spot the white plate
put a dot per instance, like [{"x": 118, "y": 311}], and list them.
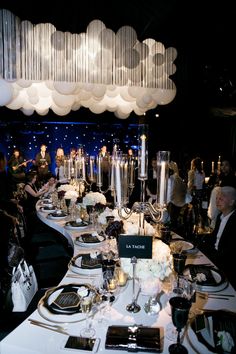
[
  {"x": 81, "y": 227},
  {"x": 195, "y": 344},
  {"x": 221, "y": 282},
  {"x": 79, "y": 241},
  {"x": 74, "y": 266},
  {"x": 46, "y": 200},
  {"x": 50, "y": 296},
  {"x": 181, "y": 246},
  {"x": 57, "y": 217},
  {"x": 47, "y": 210}
]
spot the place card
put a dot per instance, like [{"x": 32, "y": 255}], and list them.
[{"x": 135, "y": 246}]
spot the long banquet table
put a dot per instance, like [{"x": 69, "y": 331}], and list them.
[{"x": 28, "y": 338}]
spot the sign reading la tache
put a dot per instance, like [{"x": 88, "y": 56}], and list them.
[{"x": 135, "y": 246}]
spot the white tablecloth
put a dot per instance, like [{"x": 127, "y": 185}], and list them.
[{"x": 27, "y": 338}]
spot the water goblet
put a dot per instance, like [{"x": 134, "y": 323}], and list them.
[
  {"x": 179, "y": 260},
  {"x": 67, "y": 201},
  {"x": 180, "y": 307},
  {"x": 111, "y": 286},
  {"x": 86, "y": 306}
]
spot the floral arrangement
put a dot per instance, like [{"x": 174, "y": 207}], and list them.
[
  {"x": 225, "y": 341},
  {"x": 102, "y": 217},
  {"x": 73, "y": 195},
  {"x": 160, "y": 266},
  {"x": 93, "y": 198},
  {"x": 66, "y": 188}
]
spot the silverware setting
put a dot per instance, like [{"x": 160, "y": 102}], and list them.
[
  {"x": 78, "y": 276},
  {"x": 55, "y": 328},
  {"x": 214, "y": 296}
]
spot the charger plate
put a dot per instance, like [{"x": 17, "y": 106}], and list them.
[
  {"x": 62, "y": 304},
  {"x": 46, "y": 209},
  {"x": 215, "y": 279},
  {"x": 179, "y": 246},
  {"x": 76, "y": 266},
  {"x": 57, "y": 216},
  {"x": 88, "y": 240},
  {"x": 73, "y": 225}
]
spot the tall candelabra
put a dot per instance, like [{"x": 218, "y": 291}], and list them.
[
  {"x": 156, "y": 211},
  {"x": 76, "y": 173}
]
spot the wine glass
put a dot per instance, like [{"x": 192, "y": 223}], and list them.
[
  {"x": 180, "y": 307},
  {"x": 179, "y": 260},
  {"x": 86, "y": 306},
  {"x": 68, "y": 205},
  {"x": 111, "y": 286}
]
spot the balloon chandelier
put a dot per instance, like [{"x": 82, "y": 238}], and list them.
[{"x": 42, "y": 68}]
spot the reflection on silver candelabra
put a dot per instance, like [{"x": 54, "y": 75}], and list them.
[
  {"x": 156, "y": 211},
  {"x": 80, "y": 173},
  {"x": 111, "y": 171}
]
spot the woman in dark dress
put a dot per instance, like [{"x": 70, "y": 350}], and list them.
[{"x": 32, "y": 196}]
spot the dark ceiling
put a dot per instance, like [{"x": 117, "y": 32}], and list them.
[{"x": 203, "y": 32}]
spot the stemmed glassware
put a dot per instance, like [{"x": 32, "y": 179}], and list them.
[
  {"x": 86, "y": 306},
  {"x": 180, "y": 307},
  {"x": 67, "y": 201},
  {"x": 179, "y": 260},
  {"x": 111, "y": 287}
]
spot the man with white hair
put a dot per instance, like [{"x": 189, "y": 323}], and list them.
[{"x": 223, "y": 250}]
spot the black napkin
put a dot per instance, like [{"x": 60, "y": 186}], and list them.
[
  {"x": 89, "y": 238},
  {"x": 207, "y": 271},
  {"x": 91, "y": 263},
  {"x": 67, "y": 302},
  {"x": 58, "y": 215},
  {"x": 223, "y": 320},
  {"x": 133, "y": 339},
  {"x": 77, "y": 224}
]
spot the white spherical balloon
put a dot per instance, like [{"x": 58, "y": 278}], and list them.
[{"x": 6, "y": 92}]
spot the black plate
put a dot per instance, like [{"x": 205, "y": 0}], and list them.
[{"x": 67, "y": 301}]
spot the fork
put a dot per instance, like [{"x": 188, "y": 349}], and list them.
[
  {"x": 212, "y": 296},
  {"x": 55, "y": 328}
]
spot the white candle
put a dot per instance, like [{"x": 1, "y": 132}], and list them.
[
  {"x": 125, "y": 180},
  {"x": 118, "y": 183},
  {"x": 131, "y": 172},
  {"x": 218, "y": 165},
  {"x": 76, "y": 169},
  {"x": 68, "y": 168},
  {"x": 91, "y": 168},
  {"x": 212, "y": 167},
  {"x": 112, "y": 174},
  {"x": 99, "y": 172},
  {"x": 143, "y": 156},
  {"x": 162, "y": 183},
  {"x": 83, "y": 168}
]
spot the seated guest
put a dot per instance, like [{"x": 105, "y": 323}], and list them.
[
  {"x": 222, "y": 249},
  {"x": 33, "y": 195},
  {"x": 226, "y": 177},
  {"x": 59, "y": 172},
  {"x": 51, "y": 185}
]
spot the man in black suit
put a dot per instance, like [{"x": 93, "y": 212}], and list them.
[
  {"x": 222, "y": 248},
  {"x": 43, "y": 161}
]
